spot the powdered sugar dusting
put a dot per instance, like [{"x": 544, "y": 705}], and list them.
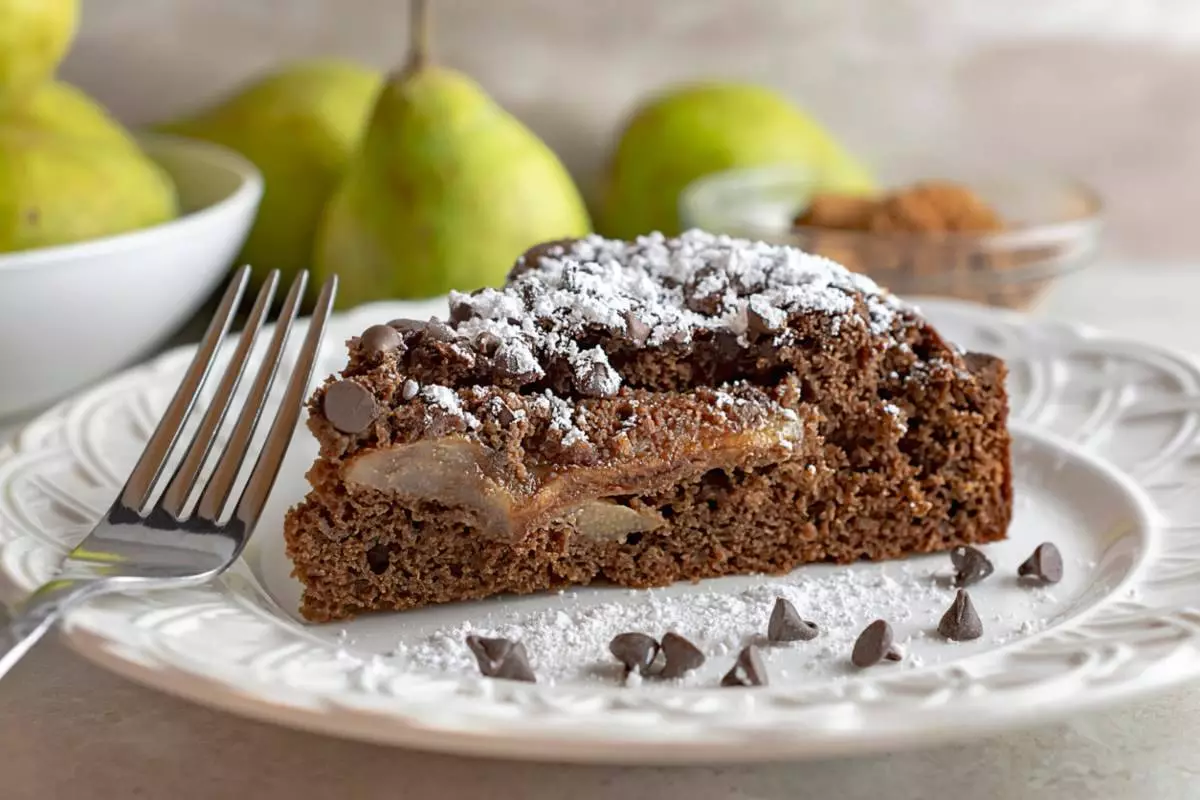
[
  {"x": 447, "y": 401},
  {"x": 671, "y": 288}
]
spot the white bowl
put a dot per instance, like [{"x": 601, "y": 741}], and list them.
[{"x": 71, "y": 314}]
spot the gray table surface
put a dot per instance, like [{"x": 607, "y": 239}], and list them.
[{"x": 71, "y": 730}]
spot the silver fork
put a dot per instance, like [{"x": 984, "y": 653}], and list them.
[{"x": 172, "y": 543}]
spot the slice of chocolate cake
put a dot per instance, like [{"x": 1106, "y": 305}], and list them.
[{"x": 641, "y": 413}]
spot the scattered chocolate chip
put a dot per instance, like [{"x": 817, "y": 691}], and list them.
[
  {"x": 487, "y": 343},
  {"x": 349, "y": 407},
  {"x": 970, "y": 565},
  {"x": 1044, "y": 566},
  {"x": 961, "y": 623},
  {"x": 747, "y": 670},
  {"x": 501, "y": 658},
  {"x": 635, "y": 650},
  {"x": 438, "y": 331},
  {"x": 380, "y": 339},
  {"x": 409, "y": 390},
  {"x": 407, "y": 326},
  {"x": 681, "y": 656},
  {"x": 636, "y": 328},
  {"x": 894, "y": 653},
  {"x": 786, "y": 625},
  {"x": 597, "y": 379},
  {"x": 873, "y": 644}
]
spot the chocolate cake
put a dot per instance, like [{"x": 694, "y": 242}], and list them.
[{"x": 641, "y": 413}]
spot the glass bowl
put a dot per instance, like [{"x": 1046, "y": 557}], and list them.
[{"x": 1053, "y": 229}]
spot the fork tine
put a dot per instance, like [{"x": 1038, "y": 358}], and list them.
[
  {"x": 266, "y": 468},
  {"x": 175, "y": 496},
  {"x": 217, "y": 491},
  {"x": 158, "y": 449}
]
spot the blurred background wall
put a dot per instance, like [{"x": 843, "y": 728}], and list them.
[{"x": 1105, "y": 89}]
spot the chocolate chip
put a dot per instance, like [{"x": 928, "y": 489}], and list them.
[
  {"x": 597, "y": 379},
  {"x": 894, "y": 653},
  {"x": 532, "y": 258},
  {"x": 349, "y": 407},
  {"x": 635, "y": 650},
  {"x": 438, "y": 331},
  {"x": 681, "y": 656},
  {"x": 409, "y": 390},
  {"x": 378, "y": 340},
  {"x": 487, "y": 343},
  {"x": 787, "y": 626},
  {"x": 515, "y": 362},
  {"x": 761, "y": 322},
  {"x": 1044, "y": 566},
  {"x": 407, "y": 326},
  {"x": 971, "y": 565},
  {"x": 873, "y": 644},
  {"x": 726, "y": 346},
  {"x": 501, "y": 658},
  {"x": 379, "y": 558},
  {"x": 461, "y": 309},
  {"x": 961, "y": 623},
  {"x": 505, "y": 415},
  {"x": 636, "y": 328},
  {"x": 747, "y": 670}
]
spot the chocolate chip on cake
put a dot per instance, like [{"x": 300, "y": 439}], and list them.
[
  {"x": 504, "y": 415},
  {"x": 349, "y": 407},
  {"x": 747, "y": 670},
  {"x": 637, "y": 329},
  {"x": 407, "y": 326},
  {"x": 532, "y": 257},
  {"x": 681, "y": 656},
  {"x": 970, "y": 565},
  {"x": 597, "y": 379},
  {"x": 515, "y": 362},
  {"x": 1044, "y": 566},
  {"x": 894, "y": 653},
  {"x": 438, "y": 331},
  {"x": 636, "y": 651},
  {"x": 786, "y": 625},
  {"x": 763, "y": 319},
  {"x": 501, "y": 658},
  {"x": 378, "y": 340},
  {"x": 961, "y": 623},
  {"x": 487, "y": 343},
  {"x": 409, "y": 390},
  {"x": 873, "y": 644},
  {"x": 461, "y": 309}
]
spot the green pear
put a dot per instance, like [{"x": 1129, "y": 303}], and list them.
[
  {"x": 696, "y": 130},
  {"x": 58, "y": 188},
  {"x": 446, "y": 191},
  {"x": 34, "y": 36},
  {"x": 299, "y": 127},
  {"x": 59, "y": 107}
]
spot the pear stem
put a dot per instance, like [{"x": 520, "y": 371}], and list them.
[{"x": 418, "y": 35}]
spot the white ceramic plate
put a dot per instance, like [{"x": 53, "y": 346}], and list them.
[{"x": 1106, "y": 462}]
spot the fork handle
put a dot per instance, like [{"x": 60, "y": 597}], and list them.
[{"x": 38, "y": 615}]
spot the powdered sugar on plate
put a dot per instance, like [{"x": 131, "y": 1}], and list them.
[{"x": 568, "y": 642}]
